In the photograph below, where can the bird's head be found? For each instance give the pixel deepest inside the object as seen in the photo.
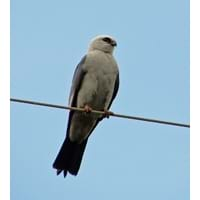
(103, 43)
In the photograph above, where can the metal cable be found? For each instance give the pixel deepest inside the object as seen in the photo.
(101, 112)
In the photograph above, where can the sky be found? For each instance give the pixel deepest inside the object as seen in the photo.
(124, 159)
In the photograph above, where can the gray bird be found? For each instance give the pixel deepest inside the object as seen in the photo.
(94, 86)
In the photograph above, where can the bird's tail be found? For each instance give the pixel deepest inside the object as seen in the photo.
(69, 157)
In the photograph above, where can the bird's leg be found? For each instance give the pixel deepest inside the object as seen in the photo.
(107, 113)
(87, 109)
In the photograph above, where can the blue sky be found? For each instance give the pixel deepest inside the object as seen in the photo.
(124, 159)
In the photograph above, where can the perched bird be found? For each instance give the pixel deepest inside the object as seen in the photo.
(94, 86)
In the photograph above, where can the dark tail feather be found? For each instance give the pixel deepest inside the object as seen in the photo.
(69, 158)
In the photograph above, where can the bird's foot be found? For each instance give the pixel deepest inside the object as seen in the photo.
(87, 109)
(107, 113)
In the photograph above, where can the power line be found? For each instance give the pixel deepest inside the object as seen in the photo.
(100, 112)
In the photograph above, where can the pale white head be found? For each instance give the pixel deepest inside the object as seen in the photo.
(103, 43)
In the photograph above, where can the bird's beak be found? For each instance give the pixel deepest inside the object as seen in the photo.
(114, 43)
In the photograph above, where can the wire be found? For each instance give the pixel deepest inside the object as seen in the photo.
(100, 112)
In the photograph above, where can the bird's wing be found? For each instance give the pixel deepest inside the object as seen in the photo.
(116, 88)
(76, 85)
(76, 82)
(70, 155)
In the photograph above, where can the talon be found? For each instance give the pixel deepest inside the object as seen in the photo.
(87, 109)
(107, 113)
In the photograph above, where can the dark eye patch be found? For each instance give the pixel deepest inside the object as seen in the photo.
(107, 39)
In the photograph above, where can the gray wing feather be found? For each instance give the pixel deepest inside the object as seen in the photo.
(116, 88)
(76, 82)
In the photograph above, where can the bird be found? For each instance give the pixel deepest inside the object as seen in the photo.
(95, 85)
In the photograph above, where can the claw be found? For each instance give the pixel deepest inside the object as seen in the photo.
(87, 109)
(107, 113)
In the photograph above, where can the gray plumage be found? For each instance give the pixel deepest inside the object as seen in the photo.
(95, 84)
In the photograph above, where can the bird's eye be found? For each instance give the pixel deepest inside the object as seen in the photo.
(107, 39)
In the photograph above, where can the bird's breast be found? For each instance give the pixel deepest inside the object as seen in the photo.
(98, 82)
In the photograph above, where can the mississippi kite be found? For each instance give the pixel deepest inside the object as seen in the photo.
(94, 86)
